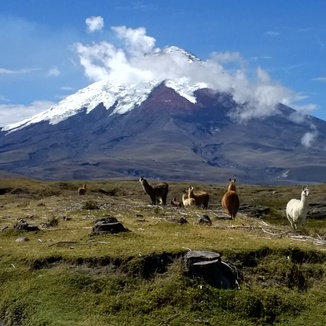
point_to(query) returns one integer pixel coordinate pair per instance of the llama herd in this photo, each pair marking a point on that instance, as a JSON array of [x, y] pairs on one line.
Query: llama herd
[[230, 201], [296, 210]]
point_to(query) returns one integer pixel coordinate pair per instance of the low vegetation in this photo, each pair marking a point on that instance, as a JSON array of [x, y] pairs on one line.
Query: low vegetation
[[64, 275]]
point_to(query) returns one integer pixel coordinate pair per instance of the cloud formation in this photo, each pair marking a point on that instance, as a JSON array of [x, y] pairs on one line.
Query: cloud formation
[[308, 138], [94, 23], [10, 112], [136, 60], [5, 71]]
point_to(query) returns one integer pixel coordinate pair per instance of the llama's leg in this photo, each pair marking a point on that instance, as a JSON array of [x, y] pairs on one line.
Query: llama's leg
[[153, 198], [290, 220], [164, 197]]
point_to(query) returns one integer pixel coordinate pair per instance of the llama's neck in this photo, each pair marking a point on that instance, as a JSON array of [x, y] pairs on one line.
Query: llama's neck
[[304, 199], [232, 187], [146, 185]]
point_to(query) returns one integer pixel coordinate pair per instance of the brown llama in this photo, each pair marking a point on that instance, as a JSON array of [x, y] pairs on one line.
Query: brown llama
[[188, 201], [230, 200], [160, 190], [82, 190], [201, 197]]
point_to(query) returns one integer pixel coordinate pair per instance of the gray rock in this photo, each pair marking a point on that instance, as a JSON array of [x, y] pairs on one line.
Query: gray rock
[[205, 219], [22, 225], [22, 239], [209, 266], [108, 225], [317, 210], [253, 210]]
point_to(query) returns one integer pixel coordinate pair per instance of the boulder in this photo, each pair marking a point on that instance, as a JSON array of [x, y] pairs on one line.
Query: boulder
[[108, 225], [22, 225], [209, 266], [316, 210], [205, 219], [253, 210]]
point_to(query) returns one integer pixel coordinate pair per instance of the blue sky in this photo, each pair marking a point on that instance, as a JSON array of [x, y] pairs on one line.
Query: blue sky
[[44, 43]]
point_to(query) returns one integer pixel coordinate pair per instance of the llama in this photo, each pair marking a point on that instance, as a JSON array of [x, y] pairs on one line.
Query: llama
[[230, 200], [160, 190], [201, 197], [188, 201], [296, 210], [82, 190]]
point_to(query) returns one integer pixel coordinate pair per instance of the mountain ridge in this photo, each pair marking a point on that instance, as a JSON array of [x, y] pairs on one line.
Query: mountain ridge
[[169, 129]]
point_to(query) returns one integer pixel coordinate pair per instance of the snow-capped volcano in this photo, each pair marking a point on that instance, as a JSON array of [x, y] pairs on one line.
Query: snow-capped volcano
[[124, 97], [169, 115]]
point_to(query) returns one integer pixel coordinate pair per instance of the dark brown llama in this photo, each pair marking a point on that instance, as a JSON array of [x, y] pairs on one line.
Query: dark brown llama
[[82, 190], [160, 190]]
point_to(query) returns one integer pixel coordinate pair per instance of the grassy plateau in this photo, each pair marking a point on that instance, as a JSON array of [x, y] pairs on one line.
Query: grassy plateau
[[63, 275]]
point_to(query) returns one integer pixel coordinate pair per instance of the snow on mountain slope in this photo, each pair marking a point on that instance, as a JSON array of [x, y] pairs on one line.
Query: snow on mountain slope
[[124, 97]]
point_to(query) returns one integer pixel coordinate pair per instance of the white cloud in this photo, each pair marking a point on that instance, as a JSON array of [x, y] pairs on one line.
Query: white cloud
[[53, 72], [136, 41], [5, 71], [224, 57], [12, 113], [94, 23], [137, 60], [323, 79], [67, 88], [273, 33], [3, 99], [308, 138]]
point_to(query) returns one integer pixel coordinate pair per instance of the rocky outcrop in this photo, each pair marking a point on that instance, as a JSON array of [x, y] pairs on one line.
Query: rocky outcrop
[[108, 225], [22, 225], [209, 266]]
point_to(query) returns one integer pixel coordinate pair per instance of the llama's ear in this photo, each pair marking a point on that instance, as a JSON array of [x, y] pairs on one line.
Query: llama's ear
[[230, 179], [234, 180]]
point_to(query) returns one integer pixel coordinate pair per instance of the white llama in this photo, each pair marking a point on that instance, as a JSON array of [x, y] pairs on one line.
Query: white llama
[[296, 210]]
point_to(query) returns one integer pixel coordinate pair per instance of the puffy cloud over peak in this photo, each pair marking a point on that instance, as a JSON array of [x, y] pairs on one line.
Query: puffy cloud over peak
[[136, 60], [136, 40]]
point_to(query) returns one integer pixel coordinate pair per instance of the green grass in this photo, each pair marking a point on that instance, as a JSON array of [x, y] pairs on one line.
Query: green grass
[[65, 276]]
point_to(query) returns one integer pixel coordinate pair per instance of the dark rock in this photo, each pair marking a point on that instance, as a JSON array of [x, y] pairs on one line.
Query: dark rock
[[181, 220], [108, 225], [317, 210], [4, 191], [209, 266], [205, 219], [254, 211], [22, 225]]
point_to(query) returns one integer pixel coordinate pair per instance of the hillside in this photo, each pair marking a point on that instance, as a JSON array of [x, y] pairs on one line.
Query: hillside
[[168, 137], [65, 276]]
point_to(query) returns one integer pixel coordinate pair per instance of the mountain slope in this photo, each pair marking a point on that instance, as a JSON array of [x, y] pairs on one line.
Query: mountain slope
[[166, 136]]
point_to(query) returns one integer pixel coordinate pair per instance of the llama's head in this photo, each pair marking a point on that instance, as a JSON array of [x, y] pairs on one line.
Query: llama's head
[[305, 191], [232, 186], [141, 179]]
